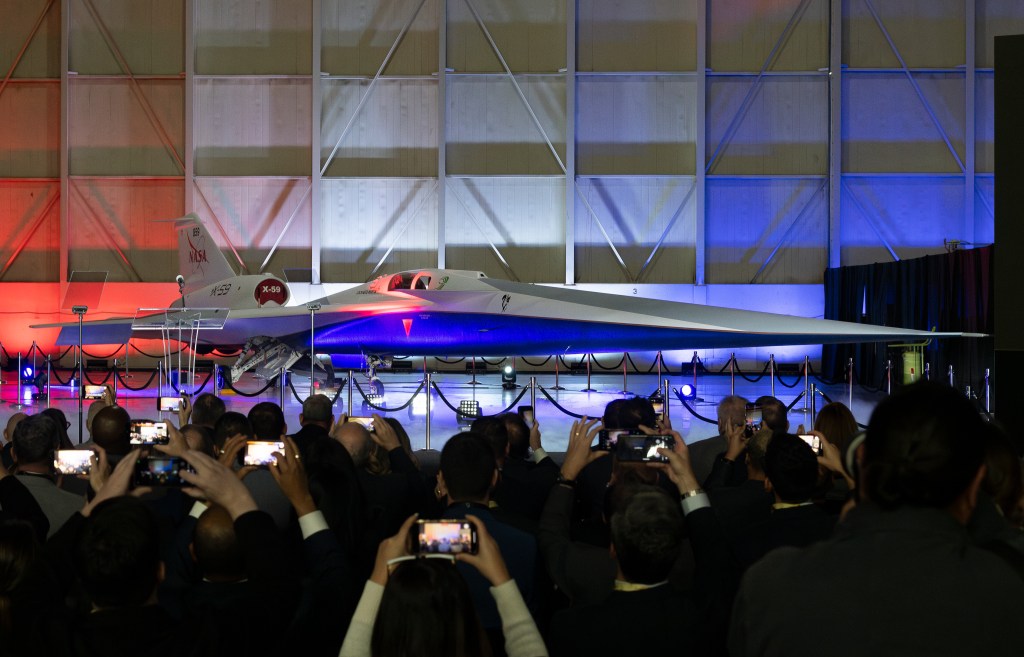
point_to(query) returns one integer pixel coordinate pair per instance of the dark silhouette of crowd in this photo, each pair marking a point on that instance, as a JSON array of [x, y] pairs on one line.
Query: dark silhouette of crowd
[[904, 539]]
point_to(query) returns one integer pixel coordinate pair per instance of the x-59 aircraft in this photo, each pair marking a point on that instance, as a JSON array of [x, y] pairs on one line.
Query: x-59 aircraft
[[442, 312]]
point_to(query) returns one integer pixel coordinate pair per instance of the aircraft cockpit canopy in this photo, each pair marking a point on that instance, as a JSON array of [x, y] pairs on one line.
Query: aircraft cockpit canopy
[[407, 280]]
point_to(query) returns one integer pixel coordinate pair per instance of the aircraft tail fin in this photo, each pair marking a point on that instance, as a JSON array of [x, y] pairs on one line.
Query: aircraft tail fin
[[200, 260]]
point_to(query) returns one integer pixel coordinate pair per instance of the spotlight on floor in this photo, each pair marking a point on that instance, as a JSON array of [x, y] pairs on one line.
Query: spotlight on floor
[[688, 392], [376, 399], [508, 377], [469, 410], [28, 374]]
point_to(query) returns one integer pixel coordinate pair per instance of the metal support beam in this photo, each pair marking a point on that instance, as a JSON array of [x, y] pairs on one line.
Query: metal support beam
[[442, 140], [65, 104], [870, 221], [664, 234], [315, 180], [570, 141], [104, 232], [220, 227], [189, 127], [27, 235], [835, 131], [284, 231], [789, 231], [970, 91], [497, 253], [409, 216], [701, 148]]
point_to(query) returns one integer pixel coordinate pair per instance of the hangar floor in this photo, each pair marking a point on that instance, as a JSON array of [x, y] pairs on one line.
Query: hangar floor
[[400, 389]]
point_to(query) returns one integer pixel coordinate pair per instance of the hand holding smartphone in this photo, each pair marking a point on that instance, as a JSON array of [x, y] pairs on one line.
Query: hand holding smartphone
[[148, 432], [73, 461], [445, 537]]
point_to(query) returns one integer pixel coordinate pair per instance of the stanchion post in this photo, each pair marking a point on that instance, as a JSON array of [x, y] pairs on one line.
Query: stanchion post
[[888, 377], [664, 395], [771, 371], [814, 403], [657, 361], [693, 367], [556, 386], [114, 375], [988, 392], [160, 378], [473, 381], [351, 385], [588, 388], [625, 386], [849, 379], [533, 396], [216, 380], [49, 367], [282, 386], [951, 384], [427, 430], [807, 381], [732, 373]]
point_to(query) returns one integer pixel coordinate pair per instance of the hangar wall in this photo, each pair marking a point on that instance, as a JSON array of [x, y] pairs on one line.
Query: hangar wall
[[591, 141]]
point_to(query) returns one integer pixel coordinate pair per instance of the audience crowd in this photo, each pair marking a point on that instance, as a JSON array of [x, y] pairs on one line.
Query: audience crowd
[[766, 539]]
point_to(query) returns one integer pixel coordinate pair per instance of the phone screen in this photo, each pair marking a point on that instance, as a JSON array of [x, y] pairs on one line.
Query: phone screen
[[446, 537], [363, 420], [813, 441], [147, 432], [644, 448], [93, 392], [160, 471], [261, 452], [169, 404], [526, 412], [608, 438], [73, 461]]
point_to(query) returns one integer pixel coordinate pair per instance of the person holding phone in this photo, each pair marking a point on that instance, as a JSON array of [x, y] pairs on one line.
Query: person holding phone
[[405, 595]]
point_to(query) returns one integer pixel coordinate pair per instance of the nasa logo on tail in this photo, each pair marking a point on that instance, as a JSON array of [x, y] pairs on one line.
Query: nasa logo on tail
[[197, 254]]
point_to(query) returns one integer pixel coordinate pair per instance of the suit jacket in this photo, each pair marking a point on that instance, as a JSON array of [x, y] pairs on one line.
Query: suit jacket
[[797, 526], [901, 582], [656, 621], [740, 507], [524, 486], [703, 453], [519, 550], [57, 504]]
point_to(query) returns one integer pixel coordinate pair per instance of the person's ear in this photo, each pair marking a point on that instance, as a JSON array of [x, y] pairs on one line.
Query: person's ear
[[14, 454]]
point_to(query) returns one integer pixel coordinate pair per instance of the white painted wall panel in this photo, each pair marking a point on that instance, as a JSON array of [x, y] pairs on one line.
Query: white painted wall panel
[[638, 35], [253, 127], [927, 33], [147, 34], [363, 219], [394, 134], [490, 130], [108, 212], [742, 35], [651, 222], [30, 130], [254, 213], [529, 33], [524, 218], [357, 35], [782, 130], [636, 125], [748, 219], [245, 37], [110, 134]]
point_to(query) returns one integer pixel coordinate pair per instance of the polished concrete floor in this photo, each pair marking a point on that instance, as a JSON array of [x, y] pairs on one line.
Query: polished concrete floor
[[434, 429]]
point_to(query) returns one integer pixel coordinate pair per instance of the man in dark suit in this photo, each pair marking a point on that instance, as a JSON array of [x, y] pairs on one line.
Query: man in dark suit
[[791, 467], [740, 507], [731, 416], [900, 575]]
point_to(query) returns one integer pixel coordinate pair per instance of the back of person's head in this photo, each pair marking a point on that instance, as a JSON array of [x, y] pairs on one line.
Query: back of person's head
[[111, 430], [792, 468], [492, 428], [117, 556], [207, 409], [630, 414], [95, 407], [757, 446], [35, 439], [317, 409], [468, 466], [229, 425], [731, 411], [922, 447], [215, 546], [12, 422], [1002, 471], [773, 414], [518, 435], [838, 425], [356, 439], [267, 420], [61, 421], [427, 610], [18, 552], [647, 531], [335, 489], [199, 438]]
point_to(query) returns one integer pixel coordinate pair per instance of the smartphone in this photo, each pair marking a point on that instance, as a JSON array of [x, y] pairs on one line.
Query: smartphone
[[754, 420], [160, 471], [526, 412], [659, 410], [813, 441], [261, 452], [148, 432], [168, 404], [607, 439], [363, 420], [446, 537], [641, 447], [93, 392], [73, 461]]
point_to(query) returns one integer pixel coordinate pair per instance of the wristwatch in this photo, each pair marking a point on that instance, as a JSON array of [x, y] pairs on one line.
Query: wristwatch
[[693, 493], [563, 481]]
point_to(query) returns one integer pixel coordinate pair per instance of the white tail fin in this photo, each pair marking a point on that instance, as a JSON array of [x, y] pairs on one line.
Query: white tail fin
[[200, 260]]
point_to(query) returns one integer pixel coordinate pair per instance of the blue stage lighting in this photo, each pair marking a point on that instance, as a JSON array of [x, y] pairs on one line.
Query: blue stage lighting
[[28, 374], [508, 377], [687, 391]]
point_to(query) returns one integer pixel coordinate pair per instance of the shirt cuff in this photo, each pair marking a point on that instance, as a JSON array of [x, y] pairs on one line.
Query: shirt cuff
[[312, 523], [539, 455], [698, 501], [197, 510]]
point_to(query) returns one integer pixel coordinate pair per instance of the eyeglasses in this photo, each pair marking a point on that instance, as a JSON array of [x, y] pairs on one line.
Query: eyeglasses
[[393, 563]]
